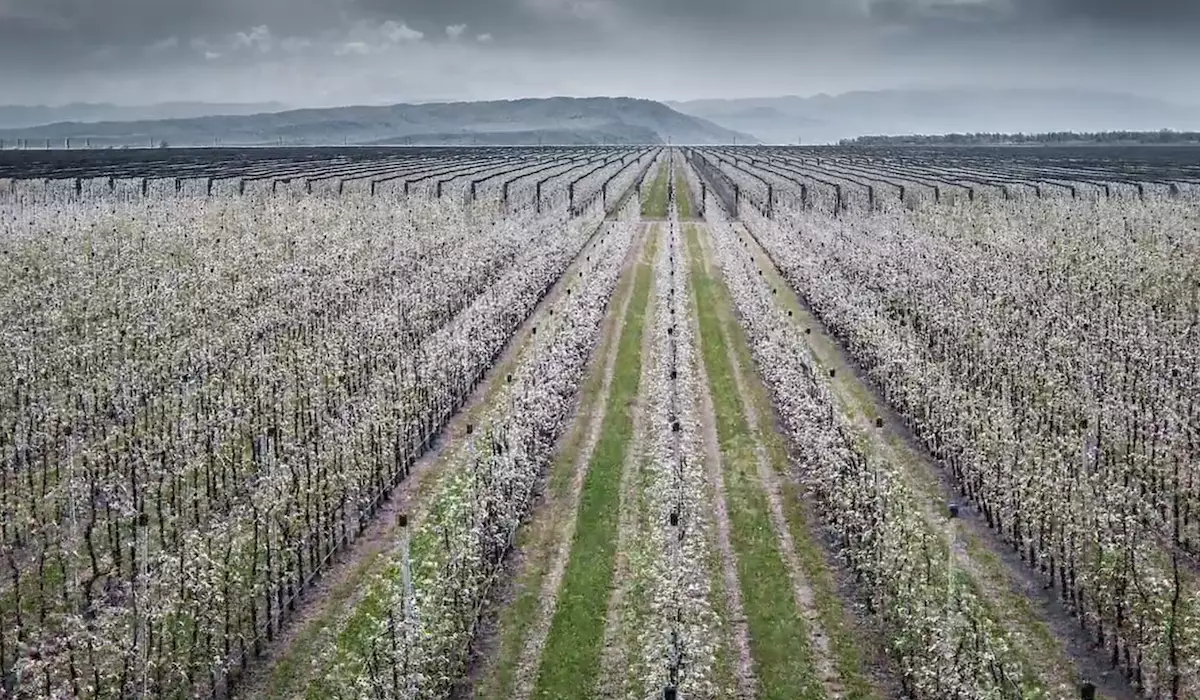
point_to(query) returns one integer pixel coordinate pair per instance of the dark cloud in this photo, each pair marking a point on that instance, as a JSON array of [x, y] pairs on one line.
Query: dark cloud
[[1116, 14], [305, 51], [36, 34], [1108, 17]]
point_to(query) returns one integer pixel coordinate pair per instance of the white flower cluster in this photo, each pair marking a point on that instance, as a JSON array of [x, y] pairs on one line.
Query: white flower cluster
[[946, 642], [458, 549], [1048, 352], [207, 398]]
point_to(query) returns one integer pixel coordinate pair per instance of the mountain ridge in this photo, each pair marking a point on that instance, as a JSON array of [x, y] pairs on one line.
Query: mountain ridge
[[27, 116], [624, 118]]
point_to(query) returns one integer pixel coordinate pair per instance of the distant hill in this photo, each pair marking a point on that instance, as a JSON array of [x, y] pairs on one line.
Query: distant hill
[[1165, 137], [830, 118], [558, 119], [611, 134], [21, 116]]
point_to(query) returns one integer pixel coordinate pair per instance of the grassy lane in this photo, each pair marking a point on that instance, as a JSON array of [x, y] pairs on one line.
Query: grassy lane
[[539, 541], [850, 648], [656, 203], [683, 196], [778, 634], [571, 659], [622, 670]]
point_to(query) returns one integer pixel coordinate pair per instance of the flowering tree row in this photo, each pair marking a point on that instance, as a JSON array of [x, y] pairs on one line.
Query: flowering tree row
[[834, 184], [410, 636], [461, 177], [676, 640], [943, 634], [1048, 354], [210, 397]]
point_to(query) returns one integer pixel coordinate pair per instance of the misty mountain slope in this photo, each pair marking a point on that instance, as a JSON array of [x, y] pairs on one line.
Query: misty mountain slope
[[828, 118], [25, 116], [397, 123], [611, 134]]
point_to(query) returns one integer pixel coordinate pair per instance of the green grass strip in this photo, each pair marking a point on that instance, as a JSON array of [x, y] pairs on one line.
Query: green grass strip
[[778, 634], [683, 197], [290, 672], [571, 659], [656, 203], [537, 539], [835, 620], [848, 657]]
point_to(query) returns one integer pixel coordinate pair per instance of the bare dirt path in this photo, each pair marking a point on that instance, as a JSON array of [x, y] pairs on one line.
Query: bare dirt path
[[1044, 629], [334, 593]]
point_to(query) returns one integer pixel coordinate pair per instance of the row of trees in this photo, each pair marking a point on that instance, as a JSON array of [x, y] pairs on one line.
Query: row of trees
[[1046, 353], [945, 637], [417, 635], [678, 640], [209, 399]]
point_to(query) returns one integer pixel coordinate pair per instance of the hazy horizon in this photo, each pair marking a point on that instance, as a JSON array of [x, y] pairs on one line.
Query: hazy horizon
[[285, 106], [314, 53]]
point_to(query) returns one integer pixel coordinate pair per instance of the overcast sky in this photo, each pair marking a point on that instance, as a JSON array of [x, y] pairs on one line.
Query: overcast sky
[[324, 52]]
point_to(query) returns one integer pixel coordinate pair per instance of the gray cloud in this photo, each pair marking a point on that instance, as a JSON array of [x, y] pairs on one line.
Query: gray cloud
[[1116, 14], [314, 51]]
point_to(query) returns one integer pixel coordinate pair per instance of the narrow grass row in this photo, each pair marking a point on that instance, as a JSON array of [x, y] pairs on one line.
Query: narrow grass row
[[571, 660], [850, 652], [778, 633], [656, 202], [683, 196], [538, 541]]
